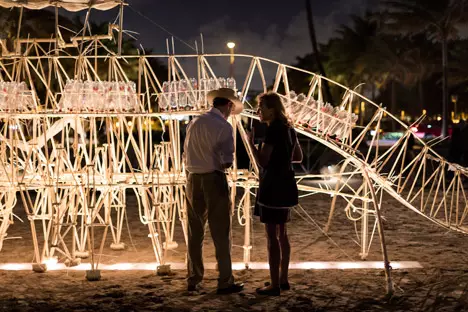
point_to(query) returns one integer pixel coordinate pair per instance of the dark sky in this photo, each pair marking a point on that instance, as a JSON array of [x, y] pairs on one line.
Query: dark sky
[[274, 29], [246, 20]]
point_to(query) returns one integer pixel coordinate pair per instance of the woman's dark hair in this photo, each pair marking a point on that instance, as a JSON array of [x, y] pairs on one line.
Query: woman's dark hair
[[273, 101], [219, 101]]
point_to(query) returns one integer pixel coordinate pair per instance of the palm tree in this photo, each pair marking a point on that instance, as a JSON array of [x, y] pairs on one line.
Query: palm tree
[[421, 60], [350, 67], [388, 56], [439, 19]]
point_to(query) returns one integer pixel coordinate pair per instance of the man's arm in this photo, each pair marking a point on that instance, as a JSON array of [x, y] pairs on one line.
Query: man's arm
[[185, 145], [225, 147]]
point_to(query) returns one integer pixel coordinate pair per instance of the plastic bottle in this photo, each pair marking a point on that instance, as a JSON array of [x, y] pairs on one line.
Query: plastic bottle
[[182, 94], [173, 88], [231, 83], [222, 82]]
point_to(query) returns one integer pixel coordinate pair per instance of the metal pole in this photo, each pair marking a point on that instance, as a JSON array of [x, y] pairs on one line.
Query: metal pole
[[231, 63], [18, 47], [388, 276], [364, 225], [248, 219], [121, 28]]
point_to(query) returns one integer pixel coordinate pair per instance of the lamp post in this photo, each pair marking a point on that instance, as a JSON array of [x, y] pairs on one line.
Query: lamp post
[[231, 46]]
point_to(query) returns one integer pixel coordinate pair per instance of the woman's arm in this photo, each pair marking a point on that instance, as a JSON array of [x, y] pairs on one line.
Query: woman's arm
[[264, 154], [297, 153], [261, 154], [297, 150]]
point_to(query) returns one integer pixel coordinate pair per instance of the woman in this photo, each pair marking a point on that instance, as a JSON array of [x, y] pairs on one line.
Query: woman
[[278, 190]]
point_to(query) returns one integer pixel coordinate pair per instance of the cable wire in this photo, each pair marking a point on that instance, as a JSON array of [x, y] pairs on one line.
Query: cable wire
[[161, 27]]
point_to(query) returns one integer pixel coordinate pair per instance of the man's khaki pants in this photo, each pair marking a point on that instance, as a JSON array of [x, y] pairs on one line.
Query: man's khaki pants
[[208, 200]]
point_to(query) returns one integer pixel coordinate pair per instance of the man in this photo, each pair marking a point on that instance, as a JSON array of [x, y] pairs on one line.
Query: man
[[208, 152]]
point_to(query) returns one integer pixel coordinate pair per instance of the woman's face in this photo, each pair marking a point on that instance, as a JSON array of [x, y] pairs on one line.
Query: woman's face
[[266, 114]]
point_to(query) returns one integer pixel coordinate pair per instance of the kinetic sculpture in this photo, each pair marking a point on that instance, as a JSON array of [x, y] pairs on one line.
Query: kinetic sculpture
[[65, 150]]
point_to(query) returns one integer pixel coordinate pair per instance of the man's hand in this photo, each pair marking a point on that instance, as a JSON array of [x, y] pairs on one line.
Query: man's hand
[[251, 136]]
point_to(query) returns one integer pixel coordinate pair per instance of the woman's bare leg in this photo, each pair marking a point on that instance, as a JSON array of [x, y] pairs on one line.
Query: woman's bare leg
[[285, 247], [274, 254]]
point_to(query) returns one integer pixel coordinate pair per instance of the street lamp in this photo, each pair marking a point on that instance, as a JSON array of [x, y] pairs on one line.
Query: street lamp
[[231, 46]]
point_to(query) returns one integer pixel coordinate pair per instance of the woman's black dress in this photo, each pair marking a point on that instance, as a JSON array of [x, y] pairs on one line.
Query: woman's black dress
[[277, 191]]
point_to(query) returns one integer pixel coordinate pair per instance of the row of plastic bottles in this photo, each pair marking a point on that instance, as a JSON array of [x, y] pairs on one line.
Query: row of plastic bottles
[[99, 96], [15, 97], [189, 94], [322, 116]]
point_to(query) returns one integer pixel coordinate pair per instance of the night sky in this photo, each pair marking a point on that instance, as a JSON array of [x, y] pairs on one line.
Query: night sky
[[272, 28]]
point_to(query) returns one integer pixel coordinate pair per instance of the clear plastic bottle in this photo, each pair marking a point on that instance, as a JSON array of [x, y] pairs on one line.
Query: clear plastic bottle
[[97, 99], [64, 104], [163, 97], [203, 92], [110, 103], [212, 84], [22, 98], [193, 94], [222, 82], [123, 103], [173, 88], [12, 97], [88, 98], [132, 97], [182, 94], [231, 83]]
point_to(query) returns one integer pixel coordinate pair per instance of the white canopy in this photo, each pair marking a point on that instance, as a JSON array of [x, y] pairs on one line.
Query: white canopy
[[70, 5]]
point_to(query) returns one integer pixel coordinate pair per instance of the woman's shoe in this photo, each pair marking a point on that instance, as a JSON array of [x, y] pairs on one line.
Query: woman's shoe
[[274, 291], [284, 286]]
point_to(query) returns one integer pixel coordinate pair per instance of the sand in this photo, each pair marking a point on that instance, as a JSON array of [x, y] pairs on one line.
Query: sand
[[441, 285]]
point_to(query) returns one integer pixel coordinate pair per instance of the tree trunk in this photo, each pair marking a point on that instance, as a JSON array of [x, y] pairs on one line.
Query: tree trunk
[[313, 39], [421, 96], [393, 105], [445, 114]]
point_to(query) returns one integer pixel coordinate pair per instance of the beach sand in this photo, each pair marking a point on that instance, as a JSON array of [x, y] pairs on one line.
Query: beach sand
[[441, 285]]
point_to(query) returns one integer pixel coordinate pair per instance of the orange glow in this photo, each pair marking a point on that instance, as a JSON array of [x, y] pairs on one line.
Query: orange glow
[[152, 266]]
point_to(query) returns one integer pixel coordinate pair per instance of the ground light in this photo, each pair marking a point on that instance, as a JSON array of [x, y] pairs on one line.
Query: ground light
[[151, 266]]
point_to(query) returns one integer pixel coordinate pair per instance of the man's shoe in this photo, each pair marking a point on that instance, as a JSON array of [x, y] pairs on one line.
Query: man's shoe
[[275, 291], [195, 287], [233, 288]]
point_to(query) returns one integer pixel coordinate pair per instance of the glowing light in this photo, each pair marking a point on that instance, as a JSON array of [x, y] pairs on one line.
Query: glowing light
[[429, 126], [152, 266], [178, 117], [231, 45], [120, 266], [15, 266], [424, 112], [439, 118], [117, 124], [414, 129], [373, 132], [51, 263], [130, 123]]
